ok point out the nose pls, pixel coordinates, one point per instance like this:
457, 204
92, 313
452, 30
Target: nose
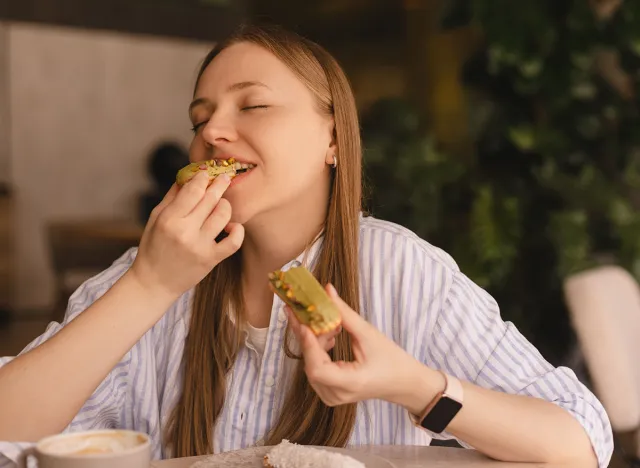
219, 130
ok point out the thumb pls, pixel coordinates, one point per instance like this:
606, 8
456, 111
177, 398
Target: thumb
351, 320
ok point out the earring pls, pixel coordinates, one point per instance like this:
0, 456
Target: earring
335, 161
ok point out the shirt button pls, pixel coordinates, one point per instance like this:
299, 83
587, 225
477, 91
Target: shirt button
269, 381
282, 316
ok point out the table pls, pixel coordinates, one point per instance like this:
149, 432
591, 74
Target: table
405, 457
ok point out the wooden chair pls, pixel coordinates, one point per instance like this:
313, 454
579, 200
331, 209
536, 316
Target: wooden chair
81, 249
604, 304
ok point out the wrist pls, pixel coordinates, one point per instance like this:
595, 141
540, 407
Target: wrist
421, 385
147, 291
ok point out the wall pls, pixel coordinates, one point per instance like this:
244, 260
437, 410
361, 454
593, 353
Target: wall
86, 107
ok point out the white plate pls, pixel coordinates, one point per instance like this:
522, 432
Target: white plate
253, 458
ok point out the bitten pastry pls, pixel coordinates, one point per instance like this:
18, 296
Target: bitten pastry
213, 167
310, 303
288, 455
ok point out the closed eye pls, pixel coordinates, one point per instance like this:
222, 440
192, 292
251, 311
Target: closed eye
254, 107
197, 126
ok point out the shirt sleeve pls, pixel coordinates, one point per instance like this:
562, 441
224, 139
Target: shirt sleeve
469, 340
103, 408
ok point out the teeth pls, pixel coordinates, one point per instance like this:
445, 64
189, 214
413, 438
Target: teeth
236, 165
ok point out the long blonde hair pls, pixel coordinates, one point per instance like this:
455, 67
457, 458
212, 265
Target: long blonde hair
213, 340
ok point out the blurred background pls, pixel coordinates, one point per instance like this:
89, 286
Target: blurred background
506, 132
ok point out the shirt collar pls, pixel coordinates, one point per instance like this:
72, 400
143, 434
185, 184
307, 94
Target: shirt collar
308, 257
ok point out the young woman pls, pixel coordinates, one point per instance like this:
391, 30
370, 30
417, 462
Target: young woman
183, 339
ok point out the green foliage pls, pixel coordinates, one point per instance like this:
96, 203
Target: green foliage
554, 185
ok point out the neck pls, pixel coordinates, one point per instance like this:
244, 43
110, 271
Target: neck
272, 240
277, 237
270, 244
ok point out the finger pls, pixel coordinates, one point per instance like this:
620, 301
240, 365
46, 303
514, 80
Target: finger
229, 227
230, 244
294, 324
351, 320
188, 196
211, 197
315, 357
323, 340
301, 332
329, 344
328, 340
335, 332
168, 198
217, 219
321, 371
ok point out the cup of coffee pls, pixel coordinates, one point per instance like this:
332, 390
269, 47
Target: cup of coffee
91, 449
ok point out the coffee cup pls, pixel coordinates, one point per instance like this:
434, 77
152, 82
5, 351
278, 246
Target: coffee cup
91, 449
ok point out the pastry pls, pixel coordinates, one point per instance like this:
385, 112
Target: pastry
310, 303
213, 167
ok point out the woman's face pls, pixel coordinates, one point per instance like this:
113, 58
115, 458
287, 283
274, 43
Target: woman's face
248, 105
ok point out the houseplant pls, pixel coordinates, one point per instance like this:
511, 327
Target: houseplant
553, 185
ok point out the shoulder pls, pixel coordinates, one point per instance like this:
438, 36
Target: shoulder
401, 252
408, 273
401, 272
379, 237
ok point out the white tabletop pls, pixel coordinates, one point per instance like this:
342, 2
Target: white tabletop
399, 457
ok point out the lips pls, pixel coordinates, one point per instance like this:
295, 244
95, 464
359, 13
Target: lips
237, 165
214, 168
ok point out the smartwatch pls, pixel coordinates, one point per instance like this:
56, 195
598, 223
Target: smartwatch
444, 407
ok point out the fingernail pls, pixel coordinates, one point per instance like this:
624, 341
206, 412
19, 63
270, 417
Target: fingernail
226, 178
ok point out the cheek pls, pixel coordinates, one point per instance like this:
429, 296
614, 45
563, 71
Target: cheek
294, 144
297, 182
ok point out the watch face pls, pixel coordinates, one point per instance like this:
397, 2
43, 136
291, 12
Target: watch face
441, 415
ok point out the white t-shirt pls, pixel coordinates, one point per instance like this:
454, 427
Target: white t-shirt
257, 337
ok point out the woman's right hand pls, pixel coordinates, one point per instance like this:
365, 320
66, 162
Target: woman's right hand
178, 247
43, 389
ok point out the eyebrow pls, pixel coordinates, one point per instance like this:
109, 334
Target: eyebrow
234, 87
246, 84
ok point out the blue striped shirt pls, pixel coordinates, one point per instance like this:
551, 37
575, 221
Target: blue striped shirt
410, 290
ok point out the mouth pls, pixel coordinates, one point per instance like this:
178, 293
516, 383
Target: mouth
239, 167
214, 168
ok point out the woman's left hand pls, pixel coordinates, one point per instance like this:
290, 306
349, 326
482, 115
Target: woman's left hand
381, 369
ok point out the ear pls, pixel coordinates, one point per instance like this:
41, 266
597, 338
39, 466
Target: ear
332, 150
